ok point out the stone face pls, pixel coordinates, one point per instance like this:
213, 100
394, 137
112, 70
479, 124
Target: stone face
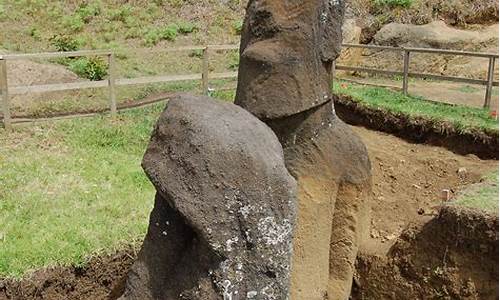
225, 208
287, 49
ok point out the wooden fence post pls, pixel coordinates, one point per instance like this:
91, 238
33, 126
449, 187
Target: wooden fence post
4, 88
112, 83
334, 69
406, 68
205, 70
489, 86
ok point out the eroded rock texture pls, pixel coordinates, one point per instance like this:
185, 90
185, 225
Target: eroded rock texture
225, 208
285, 79
287, 49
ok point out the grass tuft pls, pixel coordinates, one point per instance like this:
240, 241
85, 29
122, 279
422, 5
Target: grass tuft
483, 195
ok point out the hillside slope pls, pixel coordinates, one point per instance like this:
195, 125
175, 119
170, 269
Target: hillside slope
35, 25
127, 25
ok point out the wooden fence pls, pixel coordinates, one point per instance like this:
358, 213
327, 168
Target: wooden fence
112, 82
489, 82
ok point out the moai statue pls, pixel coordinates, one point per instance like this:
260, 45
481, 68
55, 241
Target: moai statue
225, 208
287, 50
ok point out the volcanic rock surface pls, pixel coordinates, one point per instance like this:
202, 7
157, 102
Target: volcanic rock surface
225, 207
286, 52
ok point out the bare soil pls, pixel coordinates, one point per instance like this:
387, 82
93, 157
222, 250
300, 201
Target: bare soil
452, 256
408, 179
95, 280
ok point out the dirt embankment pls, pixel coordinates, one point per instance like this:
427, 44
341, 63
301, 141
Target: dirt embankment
418, 130
408, 180
453, 256
95, 280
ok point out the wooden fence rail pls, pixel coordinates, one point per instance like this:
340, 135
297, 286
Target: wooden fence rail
112, 82
489, 82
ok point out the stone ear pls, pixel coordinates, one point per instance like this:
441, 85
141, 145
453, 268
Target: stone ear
330, 24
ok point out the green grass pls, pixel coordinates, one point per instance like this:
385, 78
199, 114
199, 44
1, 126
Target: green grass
483, 195
394, 3
468, 89
462, 118
73, 188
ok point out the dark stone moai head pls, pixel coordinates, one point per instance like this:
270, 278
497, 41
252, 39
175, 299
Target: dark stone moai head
287, 49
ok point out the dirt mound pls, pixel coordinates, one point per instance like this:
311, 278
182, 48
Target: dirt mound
94, 280
453, 256
28, 72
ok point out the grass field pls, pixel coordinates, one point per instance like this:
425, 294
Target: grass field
463, 118
71, 188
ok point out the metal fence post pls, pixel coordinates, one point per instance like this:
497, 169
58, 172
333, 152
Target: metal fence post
4, 88
112, 83
406, 68
489, 86
204, 75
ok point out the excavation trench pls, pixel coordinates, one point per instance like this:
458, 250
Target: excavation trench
407, 180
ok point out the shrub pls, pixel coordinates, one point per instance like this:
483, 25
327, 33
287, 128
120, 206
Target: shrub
234, 60
186, 27
238, 26
169, 32
93, 68
35, 33
394, 3
73, 22
133, 33
151, 37
87, 11
196, 53
132, 22
121, 14
155, 35
65, 43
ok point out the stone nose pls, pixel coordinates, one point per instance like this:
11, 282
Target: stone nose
268, 51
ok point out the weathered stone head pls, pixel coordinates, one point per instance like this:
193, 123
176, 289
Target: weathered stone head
287, 49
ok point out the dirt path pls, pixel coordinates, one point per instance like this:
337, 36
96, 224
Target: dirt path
408, 180
406, 177
440, 91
